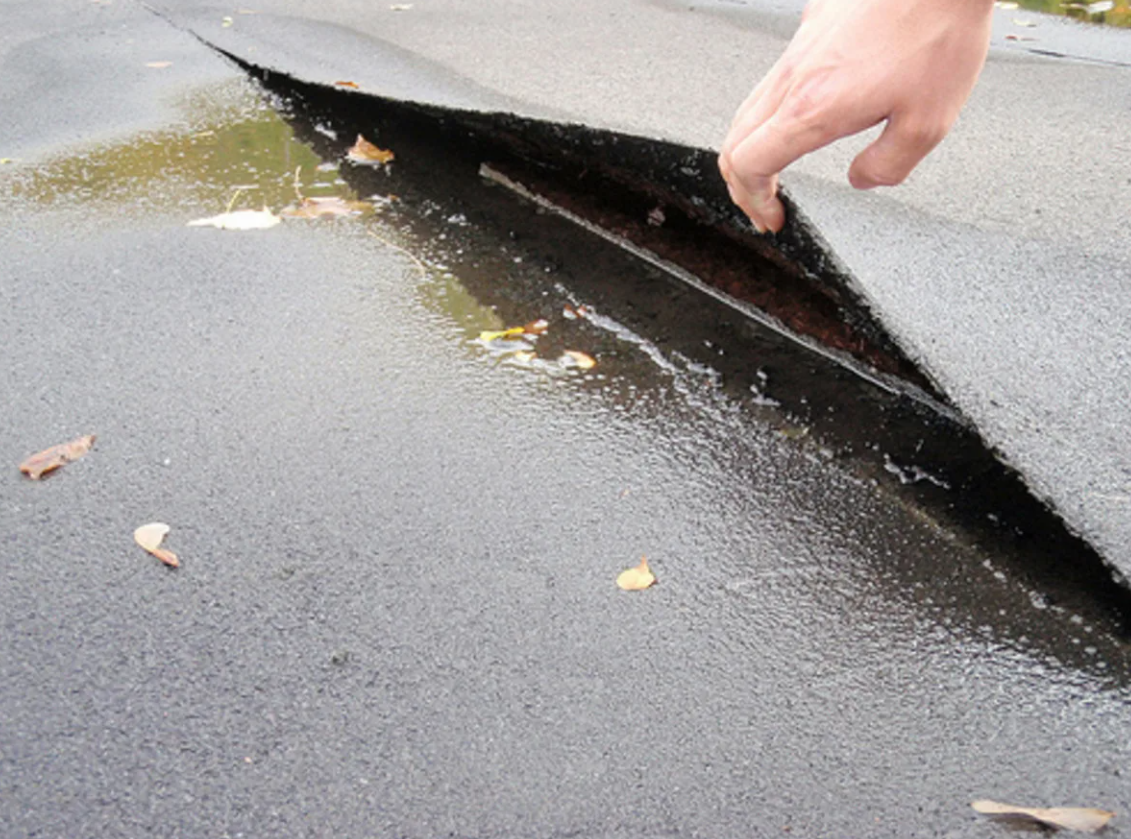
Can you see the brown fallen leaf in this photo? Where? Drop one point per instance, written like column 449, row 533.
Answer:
column 353, row 85
column 328, row 207
column 51, row 459
column 364, row 151
column 1083, row 819
column 580, row 360
column 637, row 578
column 150, row 536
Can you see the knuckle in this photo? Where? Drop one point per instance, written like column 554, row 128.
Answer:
column 924, row 135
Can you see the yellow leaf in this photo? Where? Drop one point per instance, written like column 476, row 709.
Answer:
column 150, row 536
column 364, row 151
column 1082, row 819
column 51, row 459
column 637, row 578
column 487, row 337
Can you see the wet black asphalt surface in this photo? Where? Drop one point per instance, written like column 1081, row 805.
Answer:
column 396, row 614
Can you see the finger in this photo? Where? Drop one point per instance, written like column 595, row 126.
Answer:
column 764, row 213
column 892, row 156
column 760, row 104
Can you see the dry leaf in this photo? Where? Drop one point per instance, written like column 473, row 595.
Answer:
column 150, row 536
column 51, row 459
column 635, row 579
column 353, row 85
column 536, row 327
column 159, row 65
column 580, row 360
column 326, row 207
column 240, row 220
column 364, row 151
column 1083, row 819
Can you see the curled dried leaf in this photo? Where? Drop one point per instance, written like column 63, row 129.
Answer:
column 150, row 536
column 636, row 578
column 49, row 460
column 1082, row 819
column 580, row 360
column 364, row 151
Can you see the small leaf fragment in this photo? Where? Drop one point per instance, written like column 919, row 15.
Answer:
column 536, row 327
column 352, row 85
column 49, row 460
column 1082, row 819
column 240, row 220
column 226, row 22
column 150, row 536
column 636, row 578
column 580, row 360
column 364, row 151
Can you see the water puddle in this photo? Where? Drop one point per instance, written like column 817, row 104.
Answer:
column 485, row 259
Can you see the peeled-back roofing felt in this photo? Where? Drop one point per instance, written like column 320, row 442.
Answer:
column 1002, row 268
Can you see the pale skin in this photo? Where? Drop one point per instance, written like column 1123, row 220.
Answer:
column 853, row 64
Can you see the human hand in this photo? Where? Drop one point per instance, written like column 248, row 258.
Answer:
column 853, row 64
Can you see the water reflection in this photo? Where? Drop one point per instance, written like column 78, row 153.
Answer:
column 1108, row 12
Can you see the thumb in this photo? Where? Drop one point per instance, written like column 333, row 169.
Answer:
column 891, row 157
